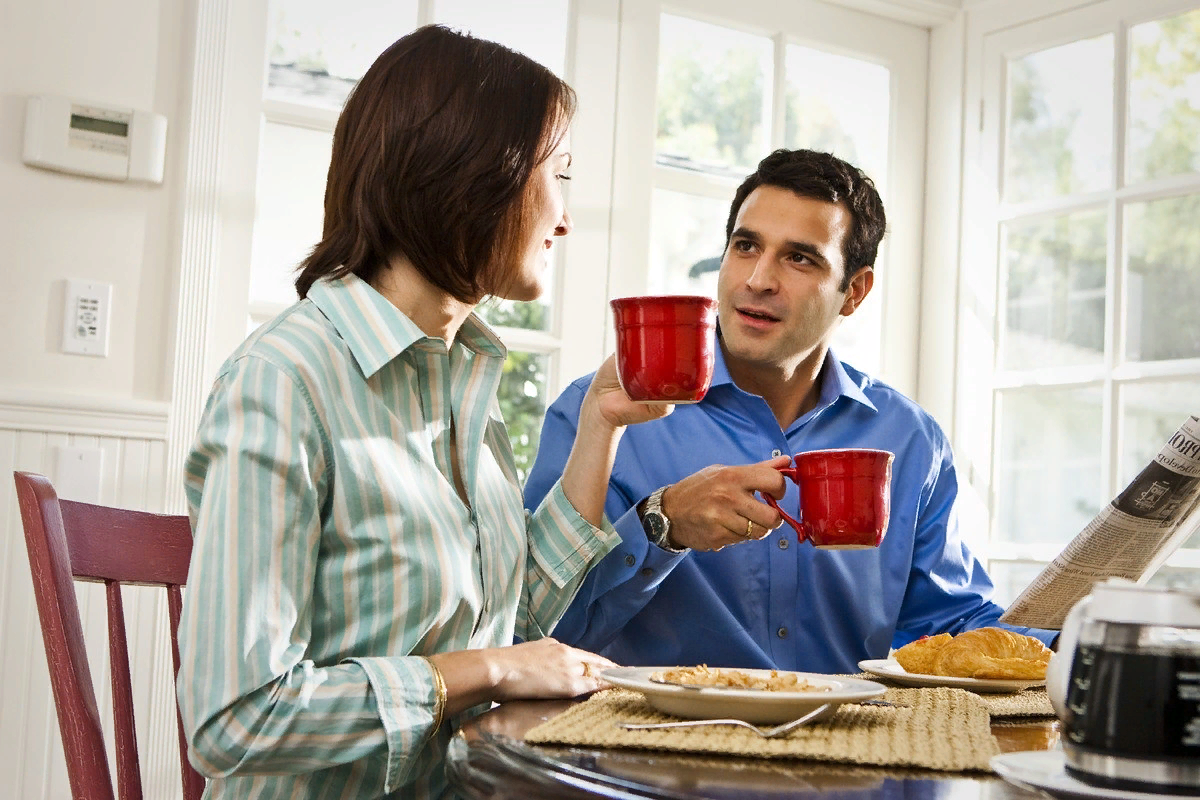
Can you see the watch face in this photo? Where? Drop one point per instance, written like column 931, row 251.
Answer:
column 656, row 526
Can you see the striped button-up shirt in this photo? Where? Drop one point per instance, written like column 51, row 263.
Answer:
column 332, row 550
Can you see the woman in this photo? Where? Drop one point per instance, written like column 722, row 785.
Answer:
column 362, row 560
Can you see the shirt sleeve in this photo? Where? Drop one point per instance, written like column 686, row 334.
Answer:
column 627, row 578
column 251, row 699
column 948, row 589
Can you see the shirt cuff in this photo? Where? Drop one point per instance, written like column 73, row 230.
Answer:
column 405, row 697
column 564, row 543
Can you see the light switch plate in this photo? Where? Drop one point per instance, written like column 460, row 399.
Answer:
column 86, row 315
column 77, row 473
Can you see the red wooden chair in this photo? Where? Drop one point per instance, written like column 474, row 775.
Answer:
column 69, row 540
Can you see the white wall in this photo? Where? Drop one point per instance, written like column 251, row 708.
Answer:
column 52, row 227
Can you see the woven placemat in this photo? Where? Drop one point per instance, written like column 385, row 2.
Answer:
column 1033, row 702
column 940, row 729
column 1029, row 703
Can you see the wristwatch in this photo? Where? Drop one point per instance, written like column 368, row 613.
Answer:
column 655, row 522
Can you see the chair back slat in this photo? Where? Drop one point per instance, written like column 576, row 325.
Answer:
column 62, row 632
column 68, row 540
column 193, row 783
column 127, row 546
column 129, row 775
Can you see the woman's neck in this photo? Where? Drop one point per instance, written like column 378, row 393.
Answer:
column 435, row 312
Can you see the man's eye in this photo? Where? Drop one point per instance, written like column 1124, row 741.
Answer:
column 743, row 247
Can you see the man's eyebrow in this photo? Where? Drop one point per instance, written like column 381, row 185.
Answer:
column 810, row 250
column 791, row 246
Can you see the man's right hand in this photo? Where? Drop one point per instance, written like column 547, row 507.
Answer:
column 712, row 508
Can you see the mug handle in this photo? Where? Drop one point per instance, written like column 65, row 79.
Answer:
column 794, row 474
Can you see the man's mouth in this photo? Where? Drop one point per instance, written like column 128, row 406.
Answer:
column 757, row 315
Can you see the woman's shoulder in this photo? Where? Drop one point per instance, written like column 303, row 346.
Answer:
column 299, row 342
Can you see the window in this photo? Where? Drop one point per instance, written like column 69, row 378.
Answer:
column 1091, row 128
column 316, row 53
column 731, row 86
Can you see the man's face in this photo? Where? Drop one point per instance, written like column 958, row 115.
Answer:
column 779, row 287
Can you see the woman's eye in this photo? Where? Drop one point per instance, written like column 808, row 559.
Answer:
column 563, row 177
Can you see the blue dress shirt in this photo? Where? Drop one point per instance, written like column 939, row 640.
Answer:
column 775, row 602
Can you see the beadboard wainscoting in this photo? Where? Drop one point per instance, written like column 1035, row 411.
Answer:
column 132, row 437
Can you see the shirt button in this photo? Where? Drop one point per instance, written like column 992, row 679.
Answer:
column 776, row 453
column 783, row 543
column 781, row 633
column 630, row 560
column 647, row 572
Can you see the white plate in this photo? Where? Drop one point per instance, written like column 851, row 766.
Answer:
column 887, row 668
column 751, row 705
column 1044, row 769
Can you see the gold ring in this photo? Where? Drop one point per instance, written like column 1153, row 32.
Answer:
column 749, row 529
column 587, row 670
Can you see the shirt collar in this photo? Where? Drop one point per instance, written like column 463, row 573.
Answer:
column 835, row 381
column 376, row 331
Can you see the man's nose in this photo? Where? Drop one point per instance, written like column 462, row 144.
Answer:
column 762, row 277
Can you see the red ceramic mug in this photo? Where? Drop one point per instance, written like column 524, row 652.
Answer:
column 845, row 497
column 665, row 347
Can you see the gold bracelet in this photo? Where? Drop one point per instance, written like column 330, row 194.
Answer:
column 439, row 704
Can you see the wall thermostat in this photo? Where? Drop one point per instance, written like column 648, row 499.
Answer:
column 118, row 144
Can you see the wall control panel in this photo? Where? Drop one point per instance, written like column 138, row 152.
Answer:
column 85, row 318
column 101, row 141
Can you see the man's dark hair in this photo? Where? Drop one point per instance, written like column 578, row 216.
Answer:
column 823, row 176
column 431, row 158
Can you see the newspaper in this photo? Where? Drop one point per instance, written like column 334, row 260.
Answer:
column 1130, row 538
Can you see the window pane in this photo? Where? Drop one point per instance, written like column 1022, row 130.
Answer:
column 522, row 396
column 534, row 315
column 687, row 239
column 289, row 207
column 1059, row 121
column 846, row 112
column 1163, row 279
column 1011, row 577
column 1182, row 578
column 1048, row 483
column 537, row 28
column 1055, row 278
column 1164, row 97
column 318, row 50
column 712, row 85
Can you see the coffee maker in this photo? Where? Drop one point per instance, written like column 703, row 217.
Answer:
column 1126, row 685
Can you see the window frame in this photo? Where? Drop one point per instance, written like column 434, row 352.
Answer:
column 902, row 47
column 993, row 36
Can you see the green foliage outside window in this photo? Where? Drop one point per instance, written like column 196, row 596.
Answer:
column 522, row 392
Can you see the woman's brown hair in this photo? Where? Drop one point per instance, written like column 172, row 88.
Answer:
column 431, row 157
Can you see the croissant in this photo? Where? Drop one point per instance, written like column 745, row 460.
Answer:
column 987, row 653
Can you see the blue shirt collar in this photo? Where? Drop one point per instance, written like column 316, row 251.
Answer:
column 835, row 380
column 376, row 331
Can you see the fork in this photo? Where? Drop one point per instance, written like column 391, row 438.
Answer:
column 766, row 733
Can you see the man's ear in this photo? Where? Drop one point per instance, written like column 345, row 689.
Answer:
column 860, row 287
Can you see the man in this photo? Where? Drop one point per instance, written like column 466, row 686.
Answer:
column 703, row 574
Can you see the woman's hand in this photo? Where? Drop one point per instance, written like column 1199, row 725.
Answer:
column 544, row 668
column 613, row 405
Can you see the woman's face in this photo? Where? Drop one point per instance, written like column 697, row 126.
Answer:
column 548, row 218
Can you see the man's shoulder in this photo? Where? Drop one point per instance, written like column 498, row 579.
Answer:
column 893, row 405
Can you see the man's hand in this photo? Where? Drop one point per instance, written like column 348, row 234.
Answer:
column 715, row 507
